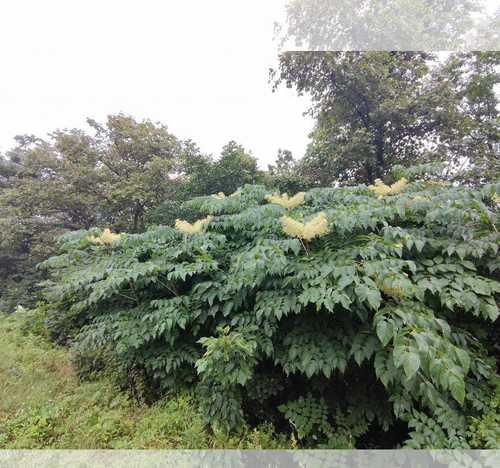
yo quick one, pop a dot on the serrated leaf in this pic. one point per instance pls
(457, 388)
(419, 245)
(464, 358)
(411, 364)
(345, 281)
(491, 311)
(398, 355)
(384, 332)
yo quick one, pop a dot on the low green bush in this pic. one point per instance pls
(353, 317)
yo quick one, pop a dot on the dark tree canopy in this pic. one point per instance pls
(285, 175)
(377, 109)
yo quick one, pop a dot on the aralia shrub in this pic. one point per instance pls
(379, 330)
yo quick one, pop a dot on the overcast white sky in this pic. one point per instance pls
(198, 66)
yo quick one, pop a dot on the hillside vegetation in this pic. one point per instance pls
(45, 405)
(347, 317)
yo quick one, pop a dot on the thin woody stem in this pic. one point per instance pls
(304, 245)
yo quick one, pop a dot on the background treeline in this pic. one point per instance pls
(372, 110)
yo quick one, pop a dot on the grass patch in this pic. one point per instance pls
(44, 405)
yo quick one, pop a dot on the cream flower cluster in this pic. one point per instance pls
(194, 228)
(106, 238)
(285, 201)
(316, 227)
(382, 189)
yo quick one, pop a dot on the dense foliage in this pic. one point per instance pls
(372, 110)
(376, 109)
(375, 330)
(122, 174)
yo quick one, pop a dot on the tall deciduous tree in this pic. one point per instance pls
(113, 176)
(467, 104)
(206, 175)
(139, 162)
(234, 168)
(284, 174)
(202, 174)
(377, 109)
